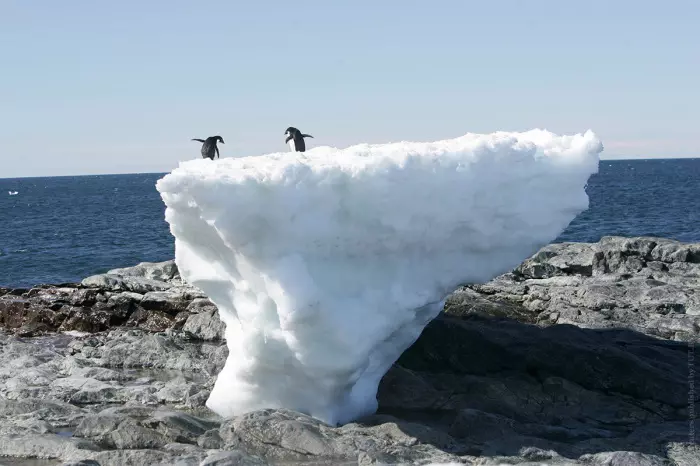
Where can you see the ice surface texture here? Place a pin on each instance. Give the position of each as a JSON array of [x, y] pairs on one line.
[[326, 265]]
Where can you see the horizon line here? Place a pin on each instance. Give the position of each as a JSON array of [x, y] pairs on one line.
[[621, 159]]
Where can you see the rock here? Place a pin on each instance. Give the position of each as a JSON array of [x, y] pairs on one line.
[[624, 458], [211, 440], [684, 454], [50, 410], [126, 283], [43, 446], [181, 427], [156, 321], [232, 458], [645, 284], [81, 463], [288, 436], [579, 356], [180, 320], [135, 348], [133, 457], [199, 305], [166, 301], [205, 325], [93, 319], [162, 271], [16, 313]]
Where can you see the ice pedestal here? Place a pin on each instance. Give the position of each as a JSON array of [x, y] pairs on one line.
[[326, 265]]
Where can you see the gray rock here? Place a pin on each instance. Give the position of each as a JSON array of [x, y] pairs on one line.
[[81, 463], [684, 454], [645, 284], [288, 436], [163, 271], [125, 283], [580, 356], [232, 458], [166, 301], [624, 458], [200, 304], [133, 457], [43, 446], [179, 426], [205, 325]]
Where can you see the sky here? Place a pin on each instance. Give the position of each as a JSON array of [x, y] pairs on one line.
[[121, 87]]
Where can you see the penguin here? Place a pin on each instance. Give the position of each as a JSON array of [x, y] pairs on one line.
[[296, 139], [209, 146]]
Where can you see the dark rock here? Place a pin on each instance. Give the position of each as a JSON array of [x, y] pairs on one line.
[[18, 312], [33, 329], [81, 463], [180, 427], [157, 321], [97, 318], [180, 319], [165, 301]]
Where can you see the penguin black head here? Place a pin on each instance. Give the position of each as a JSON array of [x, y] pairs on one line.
[[291, 131], [211, 139]]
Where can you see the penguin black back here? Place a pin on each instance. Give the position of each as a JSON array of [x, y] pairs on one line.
[[295, 139], [209, 147]]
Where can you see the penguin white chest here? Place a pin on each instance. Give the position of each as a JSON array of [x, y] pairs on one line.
[[292, 146]]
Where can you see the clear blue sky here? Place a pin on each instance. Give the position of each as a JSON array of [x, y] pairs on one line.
[[121, 87]]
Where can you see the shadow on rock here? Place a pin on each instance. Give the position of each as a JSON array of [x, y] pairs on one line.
[[498, 387]]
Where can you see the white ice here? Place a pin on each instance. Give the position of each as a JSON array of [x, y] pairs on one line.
[[326, 265]]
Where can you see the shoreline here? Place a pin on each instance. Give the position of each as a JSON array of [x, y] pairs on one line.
[[582, 355]]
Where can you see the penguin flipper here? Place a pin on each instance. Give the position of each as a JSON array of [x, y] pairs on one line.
[[307, 136], [217, 153], [199, 140]]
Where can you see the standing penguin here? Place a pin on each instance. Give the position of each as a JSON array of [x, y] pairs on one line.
[[209, 146], [296, 139]]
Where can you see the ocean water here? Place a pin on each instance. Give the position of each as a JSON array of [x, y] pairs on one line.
[[62, 229]]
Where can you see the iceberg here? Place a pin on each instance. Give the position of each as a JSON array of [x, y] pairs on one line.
[[326, 265]]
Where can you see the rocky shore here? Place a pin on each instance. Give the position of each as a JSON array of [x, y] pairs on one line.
[[582, 355]]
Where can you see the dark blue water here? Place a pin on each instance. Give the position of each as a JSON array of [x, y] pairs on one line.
[[63, 229]]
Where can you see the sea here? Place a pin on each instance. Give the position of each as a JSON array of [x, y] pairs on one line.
[[63, 229]]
